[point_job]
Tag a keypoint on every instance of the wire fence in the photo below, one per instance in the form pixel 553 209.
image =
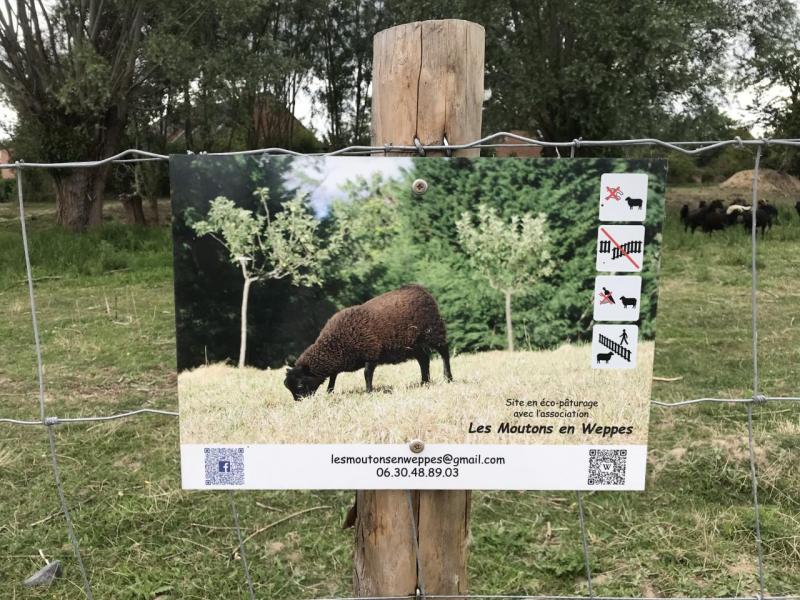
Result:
pixel 690 148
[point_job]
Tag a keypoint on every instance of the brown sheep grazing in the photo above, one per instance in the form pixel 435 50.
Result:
pixel 389 329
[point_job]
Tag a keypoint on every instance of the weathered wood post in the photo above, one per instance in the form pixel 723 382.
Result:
pixel 428 84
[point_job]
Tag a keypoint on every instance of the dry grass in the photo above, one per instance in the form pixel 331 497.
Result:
pixel 222 404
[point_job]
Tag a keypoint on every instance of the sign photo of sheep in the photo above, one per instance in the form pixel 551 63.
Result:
pixel 415 323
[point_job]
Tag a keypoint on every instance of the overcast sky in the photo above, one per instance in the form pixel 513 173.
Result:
pixel 331 172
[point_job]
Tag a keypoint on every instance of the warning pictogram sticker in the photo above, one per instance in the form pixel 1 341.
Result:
pixel 614 346
pixel 617 297
pixel 620 248
pixel 623 197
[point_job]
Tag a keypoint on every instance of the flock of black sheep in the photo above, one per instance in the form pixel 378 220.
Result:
pixel 715 216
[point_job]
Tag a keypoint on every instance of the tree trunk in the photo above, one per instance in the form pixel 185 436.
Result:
pixel 188 132
pixel 509 327
pixel 79 198
pixel 245 298
pixel 156 219
pixel 142 180
pixel 134 212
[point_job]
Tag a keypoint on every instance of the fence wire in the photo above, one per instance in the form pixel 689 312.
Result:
pixel 245 569
pixel 690 148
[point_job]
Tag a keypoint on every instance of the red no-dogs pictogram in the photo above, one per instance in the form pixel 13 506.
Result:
pixel 620 249
pixel 614 193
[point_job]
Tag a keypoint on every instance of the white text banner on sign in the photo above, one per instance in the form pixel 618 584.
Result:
pixel 438 467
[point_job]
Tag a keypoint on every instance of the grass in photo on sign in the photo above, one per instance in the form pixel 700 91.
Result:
pixel 257 408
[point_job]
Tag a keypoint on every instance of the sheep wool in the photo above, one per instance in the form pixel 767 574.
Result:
pixel 391 328
pixel 388 329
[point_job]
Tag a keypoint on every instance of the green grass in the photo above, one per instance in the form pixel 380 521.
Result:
pixel 105 308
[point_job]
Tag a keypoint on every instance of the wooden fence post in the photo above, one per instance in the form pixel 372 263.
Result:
pixel 428 84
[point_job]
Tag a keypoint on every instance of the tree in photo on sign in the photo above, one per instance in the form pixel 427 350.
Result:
pixel 512 256
pixel 264 246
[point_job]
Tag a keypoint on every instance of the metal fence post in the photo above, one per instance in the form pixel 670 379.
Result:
pixel 51 437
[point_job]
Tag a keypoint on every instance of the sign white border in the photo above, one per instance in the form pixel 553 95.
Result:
pixel 618 236
pixel 632 188
pixel 614 349
pixel 311 466
pixel 628 287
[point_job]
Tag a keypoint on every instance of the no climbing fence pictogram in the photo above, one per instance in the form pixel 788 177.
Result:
pixel 693 148
pixel 615 347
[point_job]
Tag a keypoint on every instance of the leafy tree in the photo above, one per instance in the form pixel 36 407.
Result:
pixel 342 50
pixel 69 72
pixel 556 308
pixel 603 69
pixel 581 68
pixel 771 61
pixel 365 223
pixel 284 246
pixel 233 80
pixel 511 256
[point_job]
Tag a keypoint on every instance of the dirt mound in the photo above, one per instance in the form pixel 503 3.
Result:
pixel 769 182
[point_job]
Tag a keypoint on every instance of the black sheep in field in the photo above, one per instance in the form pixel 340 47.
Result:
pixel 389 329
pixel 737 212
pixel 797 207
pixel 764 219
pixel 684 214
pixel 771 210
pixel 708 217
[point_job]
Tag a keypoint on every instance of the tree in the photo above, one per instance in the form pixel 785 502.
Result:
pixel 366 228
pixel 770 62
pixel 69 72
pixel 343 63
pixel 511 256
pixel 598 70
pixel 264 247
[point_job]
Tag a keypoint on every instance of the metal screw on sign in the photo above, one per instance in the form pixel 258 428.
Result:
pixel 419 187
pixel 417 446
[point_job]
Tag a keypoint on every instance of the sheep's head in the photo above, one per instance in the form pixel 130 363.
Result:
pixel 301 381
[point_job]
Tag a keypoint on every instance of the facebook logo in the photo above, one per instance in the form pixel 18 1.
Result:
pixel 224 466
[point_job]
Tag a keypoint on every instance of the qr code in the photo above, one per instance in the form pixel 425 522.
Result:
pixel 224 466
pixel 607 467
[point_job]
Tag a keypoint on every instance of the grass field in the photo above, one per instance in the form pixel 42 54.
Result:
pixel 222 404
pixel 106 313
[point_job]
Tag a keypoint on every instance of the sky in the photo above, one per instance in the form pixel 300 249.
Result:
pixel 330 172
